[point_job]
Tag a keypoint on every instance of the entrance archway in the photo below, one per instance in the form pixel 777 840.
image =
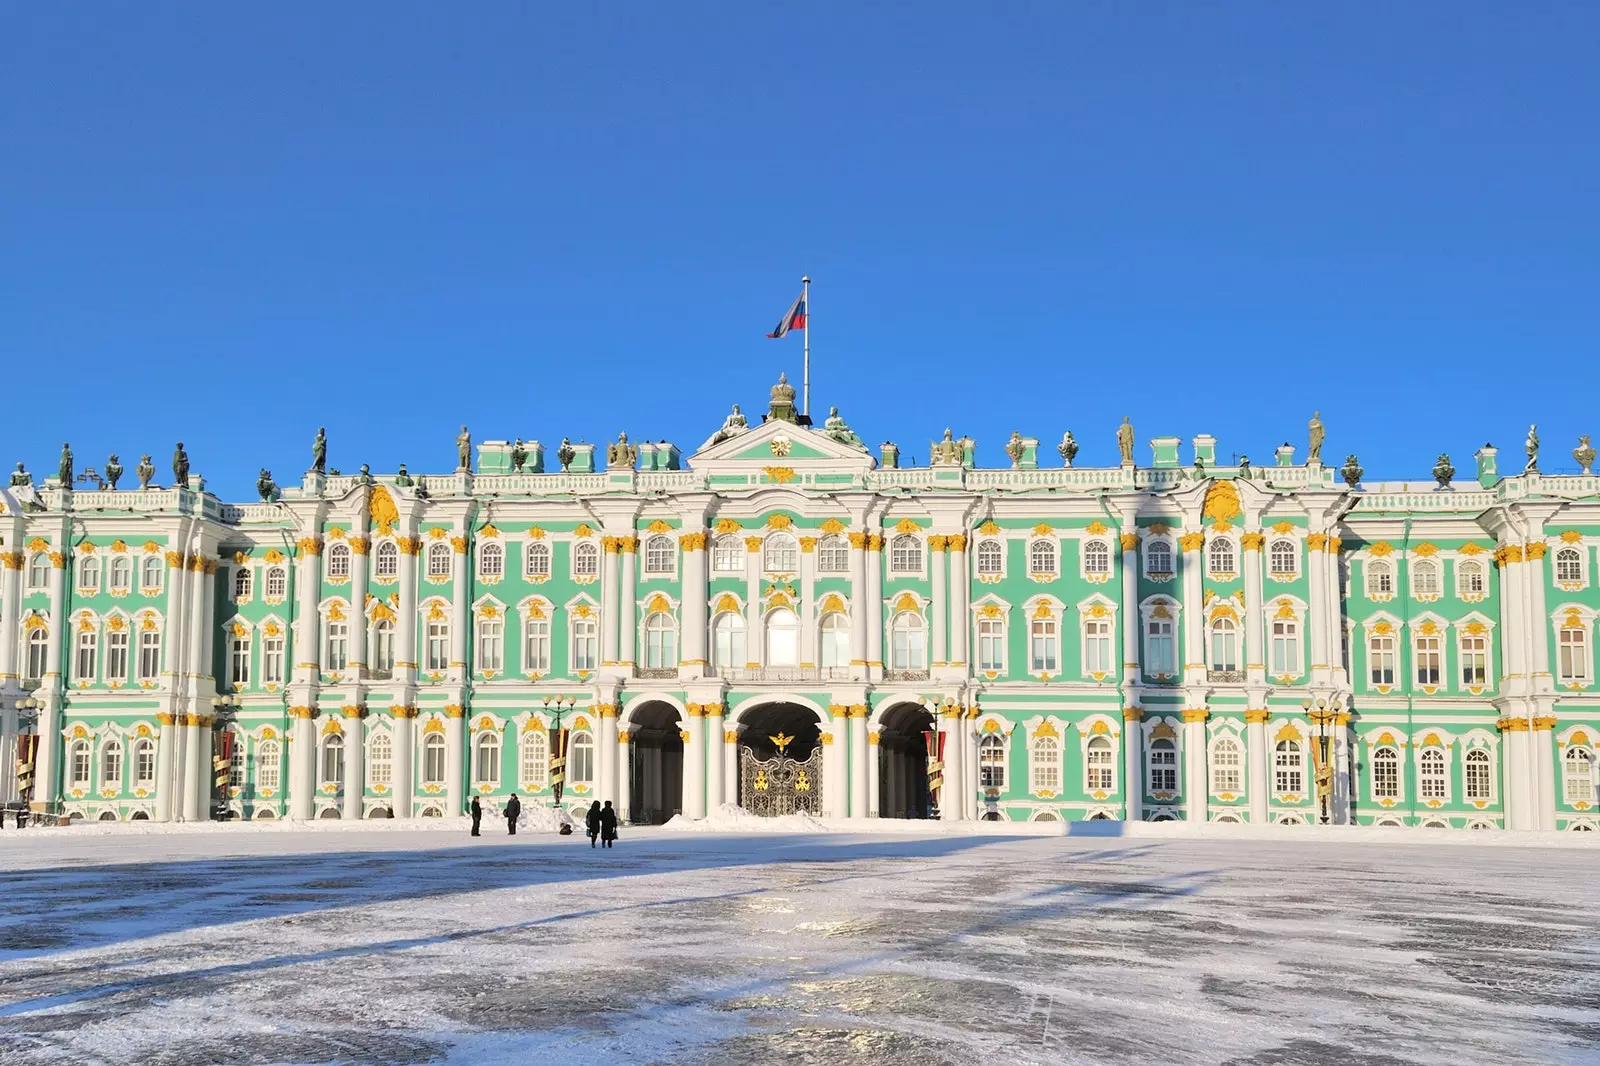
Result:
pixel 655 777
pixel 780 760
pixel 903 763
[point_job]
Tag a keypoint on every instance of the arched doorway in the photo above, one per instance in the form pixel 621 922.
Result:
pixel 655 774
pixel 903 763
pixel 780 760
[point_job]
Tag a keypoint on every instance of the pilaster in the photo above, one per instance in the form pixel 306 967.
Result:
pixel 1133 764
pixel 716 757
pixel 355 761
pixel 1257 763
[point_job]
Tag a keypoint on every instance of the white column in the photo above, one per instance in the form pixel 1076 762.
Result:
pixel 809 653
pixel 1543 740
pixel 1196 787
pixel 165 743
pixel 46 772
pixel 1130 607
pixel 858 760
pixel 605 766
pixel 694 601
pixel 455 741
pixel 938 654
pixel 608 602
pixel 308 616
pixel 694 764
pixel 11 564
pixel 873 771
pixel 358 605
pixel 404 782
pixel 1194 638
pixel 835 789
pixel 754 635
pixel 858 605
pixel 460 609
pixel 1133 762
pixel 196 776
pixel 405 636
pixel 730 765
pixel 628 602
pixel 716 757
pixel 355 760
pixel 624 802
pixel 960 595
pixel 1258 763
pixel 875 603
pixel 302 764
pixel 953 799
pixel 1341 769
pixel 1255 651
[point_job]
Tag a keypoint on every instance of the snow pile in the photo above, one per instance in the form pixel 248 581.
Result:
pixel 544 819
pixel 732 818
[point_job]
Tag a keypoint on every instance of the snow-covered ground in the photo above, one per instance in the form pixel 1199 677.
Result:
pixel 396 944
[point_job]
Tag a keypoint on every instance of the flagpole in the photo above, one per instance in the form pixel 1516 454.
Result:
pixel 805 398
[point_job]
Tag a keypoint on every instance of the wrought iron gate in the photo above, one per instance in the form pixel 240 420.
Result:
pixel 780 785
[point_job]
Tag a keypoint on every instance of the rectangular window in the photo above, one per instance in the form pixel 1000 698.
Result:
pixel 144 765
pixel 239 660
pixel 88 655
pixel 117 655
pixel 1572 655
pixel 1160 651
pixel 536 650
pixel 272 660
pixel 80 765
pixel 1097 646
pixel 585 645
pixel 1429 668
pixel 1042 646
pixel 1477 774
pixel 1380 660
pixel 267 767
pixel 438 657
pixel 491 646
pixel 991 645
pixel 1474 661
pixel 338 651
pixel 149 655
pixel 1285 648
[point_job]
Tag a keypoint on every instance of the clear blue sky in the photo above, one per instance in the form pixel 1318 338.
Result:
pixel 230 225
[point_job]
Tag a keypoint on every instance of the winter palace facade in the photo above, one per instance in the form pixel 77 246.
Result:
pixel 789 621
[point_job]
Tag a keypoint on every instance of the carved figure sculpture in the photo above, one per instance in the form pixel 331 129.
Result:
pixel 1531 446
pixel 620 455
pixel 1125 441
pixel 836 428
pixel 1314 452
pixel 464 450
pixel 180 467
pixel 265 486
pixel 946 452
pixel 403 478
pixel 113 471
pixel 64 473
pixel 319 451
pixel 21 479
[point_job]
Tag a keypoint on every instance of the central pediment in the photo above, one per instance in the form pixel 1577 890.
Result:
pixel 779 443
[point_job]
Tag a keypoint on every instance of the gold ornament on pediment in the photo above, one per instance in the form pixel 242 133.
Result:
pixel 582 610
pixel 907 525
pixel 658 526
pixel 779 475
pixel 488 610
pixel 658 602
pixel 906 602
pixel 1192 542
pixel 833 525
pixel 1222 502
pixel 990 610
pixel 726 602
pixel 1383 629
pixel 727 525
pixel 336 611
pixel 1471 548
pixel 86 548
pixel 1047 728
pixel 39 544
pixel 1043 610
pixel 1570 536
pixel 438 533
pixel 831 603
pixel 989 528
pixel 1380 549
pixel 1425 550
pixel 1283 527
pixel 1096 528
pixel 332 727
pixel 1285 609
pixel 1288 732
pixel 779 521
pixel 1428 628
pixel 336 532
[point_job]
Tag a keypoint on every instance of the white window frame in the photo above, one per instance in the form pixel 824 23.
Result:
pixel 1286 772
pixel 1578 775
pixel 990 548
pixel 729 654
pixel 440 561
pixel 337 562
pixel 910 653
pixel 1378 579
pixel 1388 779
pixel 491 561
pixel 992 752
pixel 1161 766
pixel 1044 764
pixel 906 552
pixel 536 645
pixel 1468 761
pixel 1473 567
pixel 833 555
pixel 152 575
pixel 88 575
pixel 585 560
pixel 660 556
pixel 386 560
pixel 1043 558
pixel 491 645
pixel 380 760
pixel 780 554
pixel 727 555
pixel 1579 569
pixel 1099 764
pixel 1222 549
pixel 120 574
pixel 486 741
pixel 1097 558
pixel 1227 773
pixel 1151 570
pixel 996 641
pixel 536 560
pixel 1283 549
pixel 1097 637
pixel 583 635
pixel 1433 773
pixel 660 634
pixel 533 757
pixel 1426 579
pixel 277 578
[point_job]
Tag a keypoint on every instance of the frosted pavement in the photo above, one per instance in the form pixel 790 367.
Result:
pixel 406 946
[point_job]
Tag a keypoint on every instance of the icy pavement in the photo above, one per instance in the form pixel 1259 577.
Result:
pixel 405 946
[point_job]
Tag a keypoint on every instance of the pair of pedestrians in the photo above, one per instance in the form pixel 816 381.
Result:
pixel 513 811
pixel 602 823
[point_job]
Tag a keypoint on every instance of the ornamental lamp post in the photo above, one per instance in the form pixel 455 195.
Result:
pixel 558 706
pixel 27 753
pixel 1323 713
pixel 221 757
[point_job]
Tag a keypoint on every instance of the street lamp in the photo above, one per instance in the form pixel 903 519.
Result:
pixel 1324 714
pixel 221 757
pixel 558 706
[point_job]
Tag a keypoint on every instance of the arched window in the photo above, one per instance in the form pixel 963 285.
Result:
pixel 87 660
pixel 991 645
pixel 727 641
pixel 433 759
pixel 1099 766
pixel 122 574
pixel 144 763
pixel 1044 646
pixel 39 570
pixel 436 656
pixel 1381 658
pixel 1478 780
pixel 1227 759
pixel 1285 647
pixel 1163 759
pixel 1474 652
pixel 1569 566
pixel 277 583
pixel 781 554
pixel 580 762
pixel 439 559
pixel 660 641
pixel 1158 558
pixel 153 574
pixel 111 765
pixel 536 646
pixel 1572 655
pixel 338 561
pixel 585 559
pixel 783 638
pixel 1469 578
pixel 382 652
pixel 386 560
pixel 486 766
pixel 1283 559
pixel 1042 558
pixel 1380 579
pixel 267 766
pixel 1425 577
pixel 533 753
pixel 491 561
pixel 833 555
pixel 537 561
pixel 907 643
pixel 1432 777
pixel 833 639
pixel 905 554
pixel 1160 647
pixel 1288 774
pixel 1224 644
pixel 38 652
pixel 727 556
pixel 333 760
pixel 242 579
pixel 585 643
pixel 1045 764
pixel 992 762
pixel 1096 558
pixel 78 765
pixel 991 558
pixel 89 574
pixel 1577 773
pixel 1097 646
pixel 659 555
pixel 491 645
pixel 1386 773
pixel 1222 558
pixel 380 763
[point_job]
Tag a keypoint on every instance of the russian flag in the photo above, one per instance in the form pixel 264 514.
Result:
pixel 794 318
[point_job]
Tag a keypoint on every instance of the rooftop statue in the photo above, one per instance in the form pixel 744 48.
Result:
pixel 946 452
pixel 464 450
pixel 403 477
pixel 1314 452
pixel 1068 448
pixel 180 467
pixel 319 451
pixel 519 456
pixel 265 486
pixel 621 455
pixel 1015 449
pixel 145 471
pixel 21 479
pixel 731 426
pixel 1125 441
pixel 782 405
pixel 836 428
pixel 566 453
pixel 113 471
pixel 65 471
pixel 1531 446
pixel 1584 453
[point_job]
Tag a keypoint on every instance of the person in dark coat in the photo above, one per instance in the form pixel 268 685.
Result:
pixel 513 809
pixel 477 815
pixel 608 824
pixel 591 822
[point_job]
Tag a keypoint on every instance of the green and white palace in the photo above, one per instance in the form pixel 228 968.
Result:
pixel 787 620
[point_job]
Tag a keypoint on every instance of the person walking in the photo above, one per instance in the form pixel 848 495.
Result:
pixel 513 810
pixel 477 815
pixel 591 822
pixel 608 824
